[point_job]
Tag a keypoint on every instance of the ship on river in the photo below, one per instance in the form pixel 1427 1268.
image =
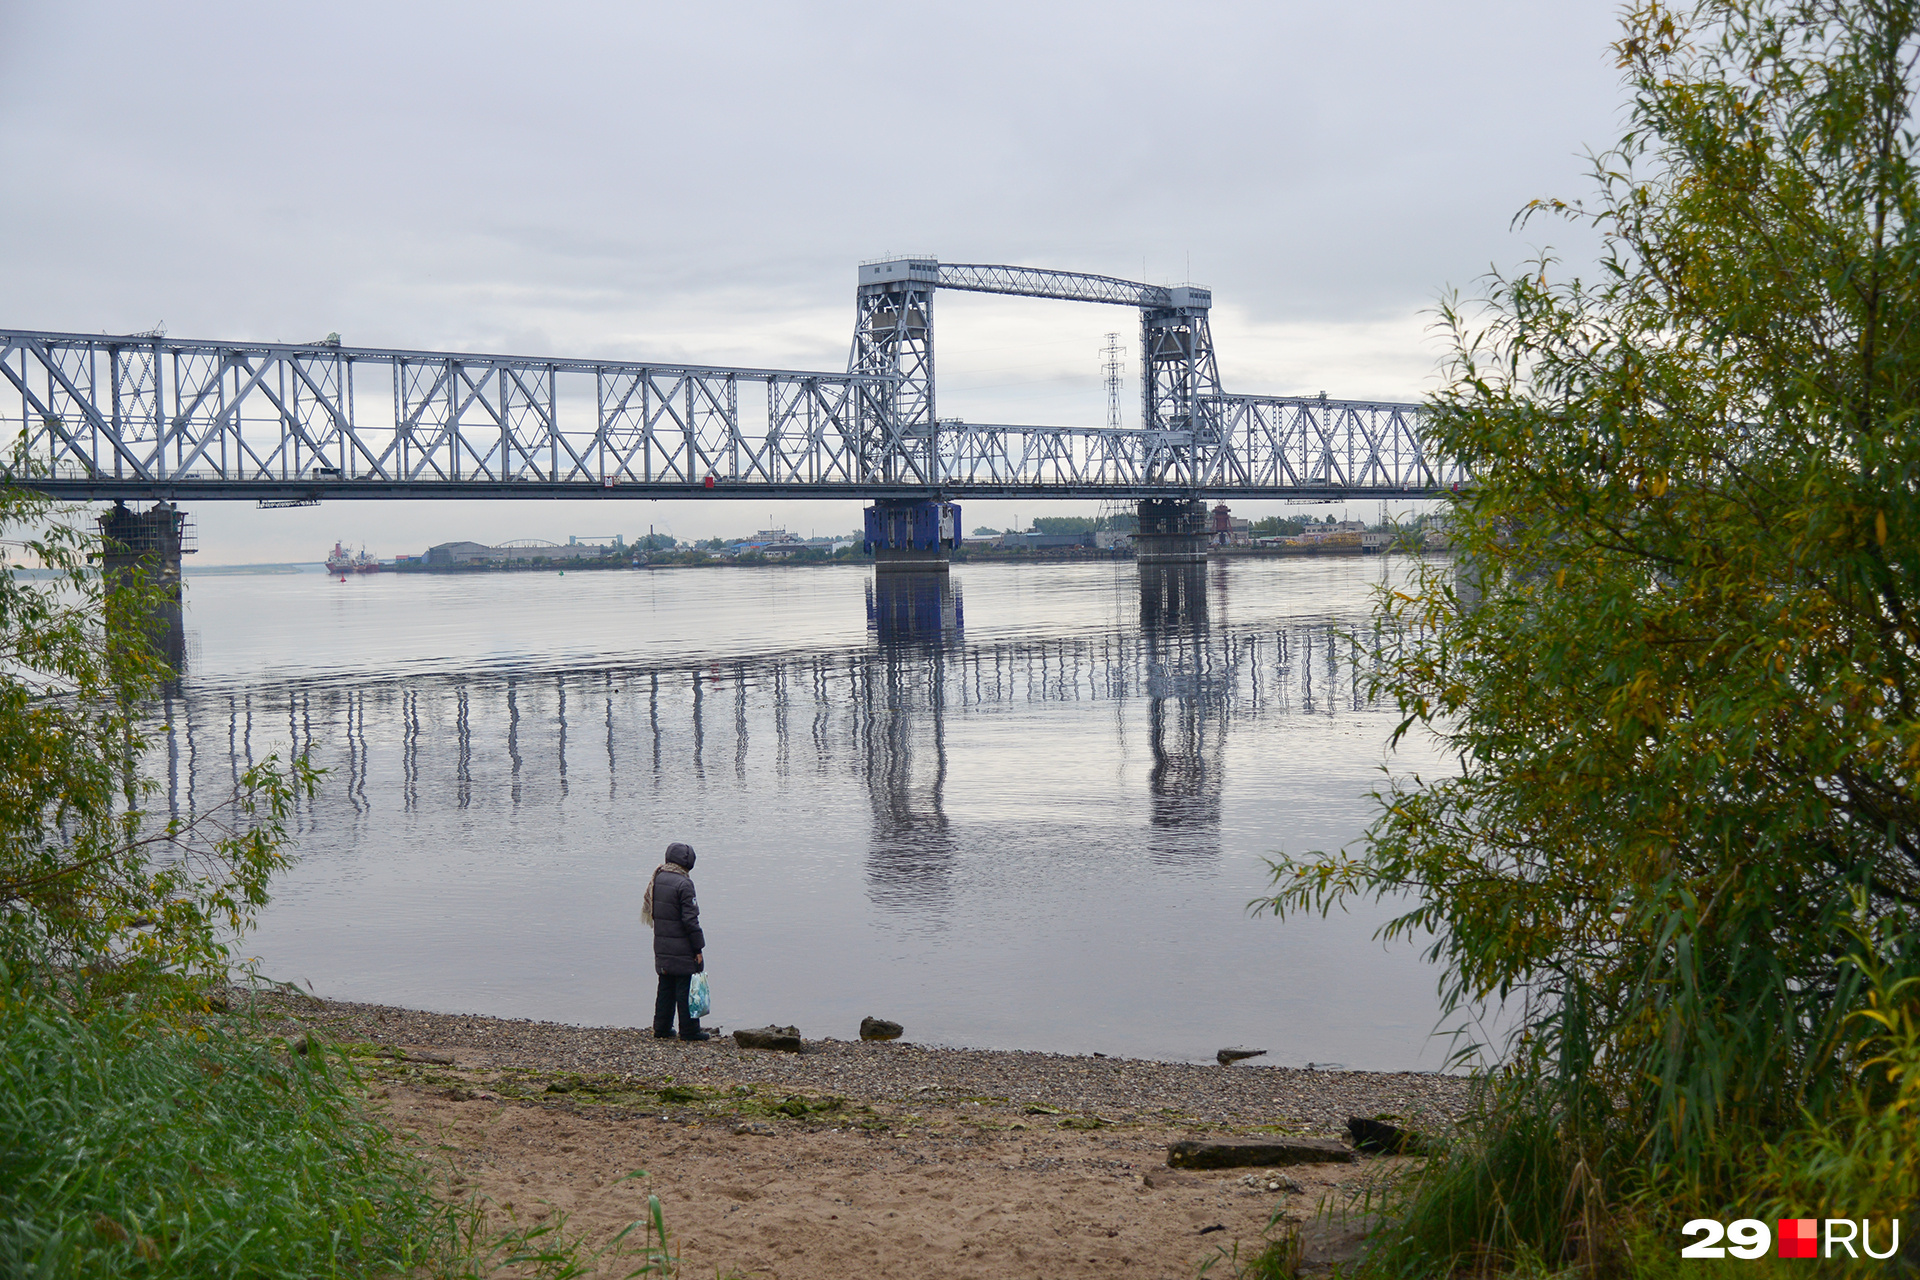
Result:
pixel 343 561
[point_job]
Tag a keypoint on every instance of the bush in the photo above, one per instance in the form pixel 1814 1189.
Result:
pixel 1678 655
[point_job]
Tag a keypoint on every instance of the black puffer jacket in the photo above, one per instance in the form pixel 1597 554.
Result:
pixel 676 924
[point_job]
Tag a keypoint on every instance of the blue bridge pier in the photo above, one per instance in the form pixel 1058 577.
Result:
pixel 912 537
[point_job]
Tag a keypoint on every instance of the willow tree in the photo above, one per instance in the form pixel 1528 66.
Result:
pixel 1684 688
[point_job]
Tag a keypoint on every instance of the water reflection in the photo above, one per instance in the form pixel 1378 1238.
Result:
pixel 1175 672
pixel 1186 723
pixel 916 622
pixel 921 609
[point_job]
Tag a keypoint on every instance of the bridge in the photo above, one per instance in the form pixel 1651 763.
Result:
pixel 150 416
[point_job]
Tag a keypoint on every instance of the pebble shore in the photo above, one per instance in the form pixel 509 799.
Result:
pixel 903 1074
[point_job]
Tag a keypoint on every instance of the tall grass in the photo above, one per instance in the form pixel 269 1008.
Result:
pixel 135 1144
pixel 131 1145
pixel 1525 1190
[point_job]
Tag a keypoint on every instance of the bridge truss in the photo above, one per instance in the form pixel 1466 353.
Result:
pixel 152 416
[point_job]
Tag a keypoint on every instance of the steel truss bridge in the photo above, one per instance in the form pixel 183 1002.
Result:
pixel 158 417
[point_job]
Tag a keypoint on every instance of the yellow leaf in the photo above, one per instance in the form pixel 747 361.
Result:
pixel 1880 527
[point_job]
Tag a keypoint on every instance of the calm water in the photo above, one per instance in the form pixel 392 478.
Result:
pixel 1025 807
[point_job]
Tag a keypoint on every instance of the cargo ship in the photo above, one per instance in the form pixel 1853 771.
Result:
pixel 343 561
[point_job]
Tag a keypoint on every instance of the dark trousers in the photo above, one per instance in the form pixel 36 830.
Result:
pixel 672 998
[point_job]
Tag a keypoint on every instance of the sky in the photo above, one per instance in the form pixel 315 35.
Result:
pixel 699 182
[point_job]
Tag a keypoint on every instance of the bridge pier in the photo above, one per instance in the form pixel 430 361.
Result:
pixel 912 537
pixel 149 543
pixel 1171 531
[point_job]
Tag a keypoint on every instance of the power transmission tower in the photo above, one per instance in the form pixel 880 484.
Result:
pixel 1116 379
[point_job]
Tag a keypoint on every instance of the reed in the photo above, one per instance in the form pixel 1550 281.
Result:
pixel 133 1143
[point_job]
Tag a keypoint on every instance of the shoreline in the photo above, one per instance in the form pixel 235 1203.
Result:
pixel 865 1158
pixel 721 562
pixel 1115 1089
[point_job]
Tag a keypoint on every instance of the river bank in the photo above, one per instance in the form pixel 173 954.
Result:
pixel 857 1158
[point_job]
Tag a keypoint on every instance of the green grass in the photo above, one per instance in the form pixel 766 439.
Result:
pixel 1277 1257
pixel 140 1146
pixel 129 1146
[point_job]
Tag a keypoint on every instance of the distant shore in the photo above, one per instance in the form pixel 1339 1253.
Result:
pixel 1072 555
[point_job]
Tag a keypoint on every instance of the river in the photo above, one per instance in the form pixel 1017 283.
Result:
pixel 1022 807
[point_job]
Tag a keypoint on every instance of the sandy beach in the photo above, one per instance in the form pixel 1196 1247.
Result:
pixel 857 1158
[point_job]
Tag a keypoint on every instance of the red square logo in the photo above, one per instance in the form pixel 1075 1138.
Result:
pixel 1799 1237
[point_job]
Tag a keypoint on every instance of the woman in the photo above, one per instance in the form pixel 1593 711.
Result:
pixel 679 948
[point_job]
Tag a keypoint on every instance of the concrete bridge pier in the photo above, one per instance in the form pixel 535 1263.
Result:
pixel 912 536
pixel 1171 531
pixel 150 543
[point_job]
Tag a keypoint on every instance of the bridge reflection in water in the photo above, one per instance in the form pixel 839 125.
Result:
pixel 765 730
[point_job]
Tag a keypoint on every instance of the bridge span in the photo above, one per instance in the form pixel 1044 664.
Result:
pixel 151 416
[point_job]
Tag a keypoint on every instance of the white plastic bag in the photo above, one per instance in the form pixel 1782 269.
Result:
pixel 699 1002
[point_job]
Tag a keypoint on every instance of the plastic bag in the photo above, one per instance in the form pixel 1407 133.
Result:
pixel 699 1002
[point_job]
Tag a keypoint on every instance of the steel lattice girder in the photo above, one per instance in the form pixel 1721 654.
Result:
pixel 1275 442
pixel 1068 286
pixel 161 411
pixel 893 339
pixel 147 416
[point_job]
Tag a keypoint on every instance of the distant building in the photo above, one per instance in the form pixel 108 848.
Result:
pixel 1044 541
pixel 456 555
pixel 467 555
pixel 1340 533
pixel 775 543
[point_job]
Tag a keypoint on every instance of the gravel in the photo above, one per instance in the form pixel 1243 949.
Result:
pixel 901 1073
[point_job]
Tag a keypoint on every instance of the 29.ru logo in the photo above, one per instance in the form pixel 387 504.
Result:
pixel 1799 1238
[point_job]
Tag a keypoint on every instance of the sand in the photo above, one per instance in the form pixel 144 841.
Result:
pixel 867 1159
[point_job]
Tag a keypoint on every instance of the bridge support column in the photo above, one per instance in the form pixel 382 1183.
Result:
pixel 150 543
pixel 912 536
pixel 1171 531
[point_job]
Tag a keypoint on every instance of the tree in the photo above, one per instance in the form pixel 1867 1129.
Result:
pixel 86 878
pixel 1277 526
pixel 1124 523
pixel 1679 657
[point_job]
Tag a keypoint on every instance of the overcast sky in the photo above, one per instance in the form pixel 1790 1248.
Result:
pixel 698 182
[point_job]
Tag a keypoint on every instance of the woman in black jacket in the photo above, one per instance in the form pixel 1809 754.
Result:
pixel 679 948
